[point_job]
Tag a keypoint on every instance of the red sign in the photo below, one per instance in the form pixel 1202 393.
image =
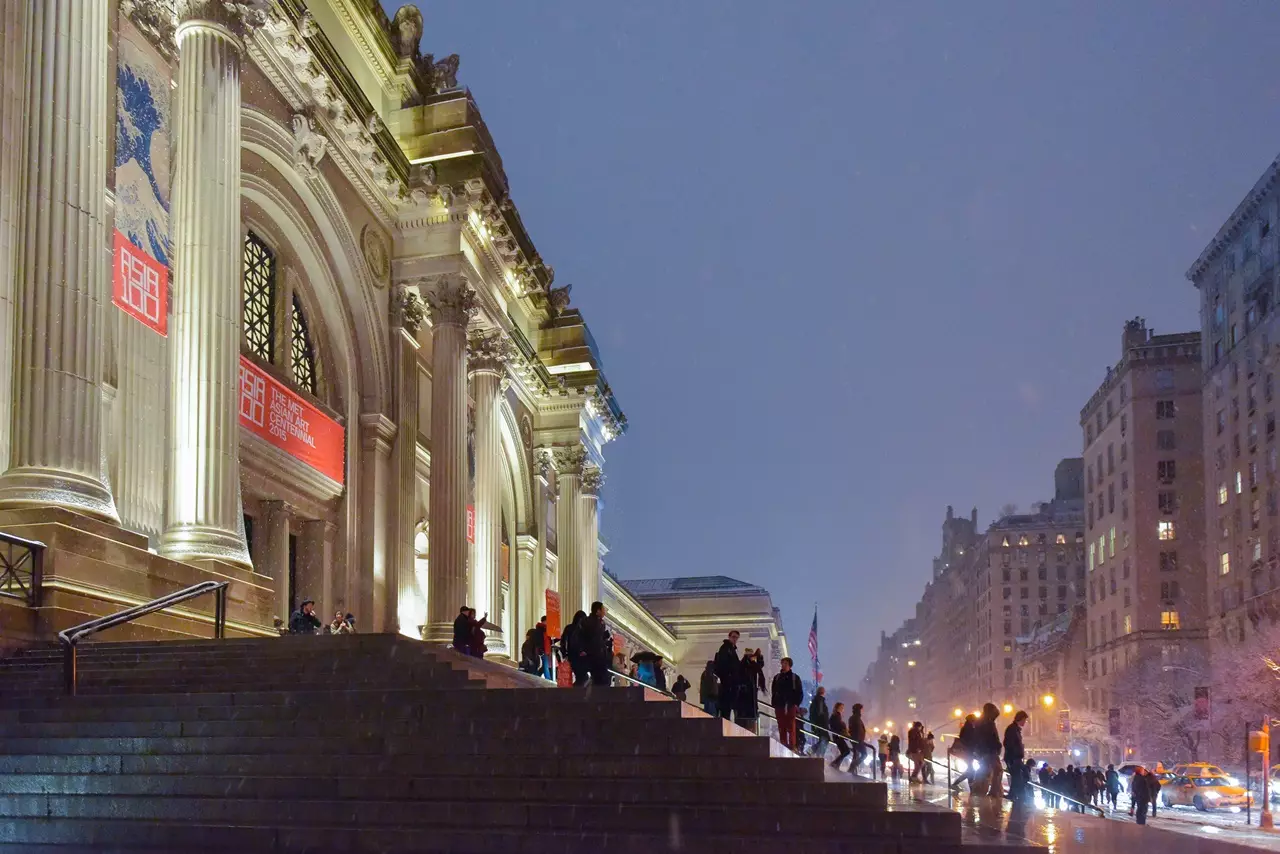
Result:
pixel 471 524
pixel 553 613
pixel 289 422
pixel 140 286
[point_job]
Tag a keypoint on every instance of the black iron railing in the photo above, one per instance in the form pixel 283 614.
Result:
pixel 69 638
pixel 21 568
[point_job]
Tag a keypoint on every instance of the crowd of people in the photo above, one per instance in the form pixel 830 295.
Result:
pixel 305 621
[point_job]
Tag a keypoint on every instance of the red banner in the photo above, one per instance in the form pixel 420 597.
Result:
pixel 289 422
pixel 553 613
pixel 140 286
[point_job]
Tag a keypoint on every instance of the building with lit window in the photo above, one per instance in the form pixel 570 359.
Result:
pixel 286 328
pixel 1144 511
pixel 1236 276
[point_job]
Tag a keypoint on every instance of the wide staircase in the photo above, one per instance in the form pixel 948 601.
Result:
pixel 376 743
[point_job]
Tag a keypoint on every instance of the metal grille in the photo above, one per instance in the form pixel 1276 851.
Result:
pixel 304 358
pixel 259 297
pixel 20 568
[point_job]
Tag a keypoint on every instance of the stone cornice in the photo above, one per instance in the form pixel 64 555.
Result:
pixel 377 431
pixel 1238 219
pixel 370 36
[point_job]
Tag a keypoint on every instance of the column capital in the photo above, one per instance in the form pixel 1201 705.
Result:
pixel 237 17
pixel 410 308
pixel 449 297
pixel 488 353
pixel 569 459
pixel 592 480
pixel 377 432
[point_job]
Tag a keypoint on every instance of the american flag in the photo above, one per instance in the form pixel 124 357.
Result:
pixel 813 648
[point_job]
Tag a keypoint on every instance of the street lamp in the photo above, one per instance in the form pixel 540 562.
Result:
pixel 1008 708
pixel 957 712
pixel 1047 699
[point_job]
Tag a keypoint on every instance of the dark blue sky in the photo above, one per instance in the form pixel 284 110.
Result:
pixel 848 262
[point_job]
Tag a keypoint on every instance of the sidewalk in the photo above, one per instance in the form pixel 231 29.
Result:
pixel 993 820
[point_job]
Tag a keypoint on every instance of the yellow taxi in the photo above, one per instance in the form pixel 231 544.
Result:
pixel 1203 793
pixel 1198 769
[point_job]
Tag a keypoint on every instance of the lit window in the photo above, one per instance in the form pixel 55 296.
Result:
pixel 1128 624
pixel 1257 549
pixel 1239 483
pixel 1023 541
pixel 1005 542
pixel 1224 563
pixel 1166 530
pixel 1222 493
pixel 1168 620
pixel 1111 548
pixel 1061 539
pixel 300 350
pixel 910 663
pixel 1091 556
pixel 1102 549
pixel 259 297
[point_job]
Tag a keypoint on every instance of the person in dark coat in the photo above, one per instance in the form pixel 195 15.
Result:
pixel 836 725
pixel 304 620
pixel 820 717
pixel 1153 791
pixel 1140 792
pixel 962 748
pixel 895 755
pixel 709 689
pixel 786 694
pixel 915 749
pixel 597 644
pixel 1015 757
pixel 681 688
pixel 750 685
pixel 571 648
pixel 540 638
pixel 857 735
pixel 986 750
pixel 728 670
pixel 531 654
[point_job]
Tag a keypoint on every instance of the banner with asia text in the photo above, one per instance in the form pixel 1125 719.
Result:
pixel 288 421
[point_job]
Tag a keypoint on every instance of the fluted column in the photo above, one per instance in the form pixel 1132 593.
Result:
pixel 451 303
pixel 568 462
pixel 61 264
pixel 13 79
pixel 408 316
pixel 273 531
pixel 204 520
pixel 592 480
pixel 487 364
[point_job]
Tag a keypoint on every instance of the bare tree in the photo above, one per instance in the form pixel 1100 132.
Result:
pixel 1158 695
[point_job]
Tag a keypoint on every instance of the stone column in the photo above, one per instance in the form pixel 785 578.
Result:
pixel 274 534
pixel 374 589
pixel 568 461
pixel 592 480
pixel 56 450
pixel 487 365
pixel 315 567
pixel 451 303
pixel 403 583
pixel 204 512
pixel 13 83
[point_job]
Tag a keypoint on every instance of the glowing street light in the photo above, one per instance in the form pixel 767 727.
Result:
pixel 958 712
pixel 1048 700
pixel 888 724
pixel 1008 708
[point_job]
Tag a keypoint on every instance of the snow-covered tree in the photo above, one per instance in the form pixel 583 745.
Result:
pixel 1156 696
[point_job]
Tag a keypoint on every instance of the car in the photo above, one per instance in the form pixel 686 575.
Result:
pixel 1203 793
pixel 1198 769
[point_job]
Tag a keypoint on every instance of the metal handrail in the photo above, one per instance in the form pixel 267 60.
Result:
pixel 69 638
pixel 12 571
pixel 1048 793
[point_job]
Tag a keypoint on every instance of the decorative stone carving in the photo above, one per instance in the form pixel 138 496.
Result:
pixel 412 310
pixel 373 124
pixel 546 464
pixel 559 298
pixel 308 145
pixel 569 459
pixel 429 174
pixel 488 353
pixel 592 480
pixel 156 21
pixel 444 74
pixel 375 255
pixel 308 26
pixel 406 31
pixel 238 16
pixel 449 297
pixel 526 431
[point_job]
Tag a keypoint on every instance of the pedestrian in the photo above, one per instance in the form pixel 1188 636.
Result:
pixel 858 735
pixel 986 750
pixel 786 694
pixel 338 625
pixel 1113 786
pixel 597 644
pixel 304 620
pixel 1015 757
pixel 750 684
pixel 915 749
pixel 820 717
pixel 542 641
pixel 882 751
pixel 681 688
pixel 802 721
pixel 571 647
pixel 1140 794
pixel 729 671
pixel 962 749
pixel 1153 791
pixel 478 648
pixel 709 689
pixel 1031 779
pixel 929 746
pixel 837 727
pixel 531 654
pixel 895 755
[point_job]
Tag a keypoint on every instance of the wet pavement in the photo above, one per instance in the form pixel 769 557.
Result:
pixel 995 821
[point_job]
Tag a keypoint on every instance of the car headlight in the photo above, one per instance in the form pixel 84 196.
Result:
pixel 1213 796
pixel 1233 781
pixel 963 766
pixel 976 765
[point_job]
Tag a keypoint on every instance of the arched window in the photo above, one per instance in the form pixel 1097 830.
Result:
pixel 259 292
pixel 302 354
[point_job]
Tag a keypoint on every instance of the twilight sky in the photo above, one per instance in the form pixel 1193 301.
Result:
pixel 850 262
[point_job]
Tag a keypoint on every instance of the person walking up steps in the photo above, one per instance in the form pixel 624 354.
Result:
pixel 786 695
